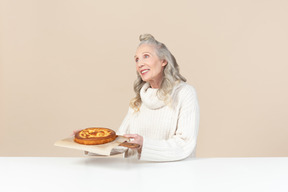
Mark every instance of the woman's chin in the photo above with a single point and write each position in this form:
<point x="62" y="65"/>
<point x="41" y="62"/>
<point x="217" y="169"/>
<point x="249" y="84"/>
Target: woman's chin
<point x="144" y="79"/>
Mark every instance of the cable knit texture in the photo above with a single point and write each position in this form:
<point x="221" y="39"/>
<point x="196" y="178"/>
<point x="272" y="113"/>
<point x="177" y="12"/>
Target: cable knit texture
<point x="169" y="131"/>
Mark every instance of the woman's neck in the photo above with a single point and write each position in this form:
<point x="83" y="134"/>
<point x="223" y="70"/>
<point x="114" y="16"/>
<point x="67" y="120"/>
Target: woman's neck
<point x="156" y="84"/>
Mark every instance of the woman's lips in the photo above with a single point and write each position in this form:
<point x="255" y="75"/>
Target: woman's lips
<point x="144" y="71"/>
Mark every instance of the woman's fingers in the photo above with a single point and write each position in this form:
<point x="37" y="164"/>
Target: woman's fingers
<point x="134" y="138"/>
<point x="75" y="131"/>
<point x="130" y="135"/>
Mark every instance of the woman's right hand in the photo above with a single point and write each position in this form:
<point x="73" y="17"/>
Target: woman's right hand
<point x="75" y="131"/>
<point x="135" y="138"/>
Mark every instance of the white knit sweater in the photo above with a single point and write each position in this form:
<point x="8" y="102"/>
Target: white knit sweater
<point x="169" y="132"/>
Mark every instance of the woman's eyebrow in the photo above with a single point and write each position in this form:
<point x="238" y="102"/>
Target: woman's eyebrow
<point x="141" y="53"/>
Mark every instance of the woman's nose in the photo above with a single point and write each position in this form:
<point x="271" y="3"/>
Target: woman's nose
<point x="140" y="64"/>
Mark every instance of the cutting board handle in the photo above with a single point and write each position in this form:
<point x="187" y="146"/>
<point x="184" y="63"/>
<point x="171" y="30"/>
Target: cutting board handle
<point x="130" y="145"/>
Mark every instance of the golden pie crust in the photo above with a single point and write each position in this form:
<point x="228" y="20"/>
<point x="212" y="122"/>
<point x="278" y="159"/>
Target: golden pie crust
<point x="95" y="136"/>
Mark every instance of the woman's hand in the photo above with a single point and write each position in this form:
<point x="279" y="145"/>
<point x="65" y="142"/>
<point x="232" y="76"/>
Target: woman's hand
<point x="135" y="138"/>
<point x="75" y="131"/>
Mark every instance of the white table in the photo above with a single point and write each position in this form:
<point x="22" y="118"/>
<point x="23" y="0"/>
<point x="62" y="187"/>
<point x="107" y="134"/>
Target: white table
<point x="114" y="174"/>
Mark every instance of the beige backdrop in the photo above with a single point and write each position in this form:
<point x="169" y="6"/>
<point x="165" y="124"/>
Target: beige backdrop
<point x="67" y="65"/>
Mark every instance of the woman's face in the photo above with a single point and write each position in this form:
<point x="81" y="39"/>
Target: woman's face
<point x="149" y="66"/>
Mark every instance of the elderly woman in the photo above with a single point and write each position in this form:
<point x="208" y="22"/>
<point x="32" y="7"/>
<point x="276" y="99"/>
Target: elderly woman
<point x="163" y="118"/>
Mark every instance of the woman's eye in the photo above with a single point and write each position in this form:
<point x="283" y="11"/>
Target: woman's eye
<point x="136" y="60"/>
<point x="146" y="56"/>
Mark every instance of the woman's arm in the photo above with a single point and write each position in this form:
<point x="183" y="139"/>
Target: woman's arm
<point x="124" y="127"/>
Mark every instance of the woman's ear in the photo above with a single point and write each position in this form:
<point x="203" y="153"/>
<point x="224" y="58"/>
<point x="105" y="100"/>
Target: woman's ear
<point x="164" y="62"/>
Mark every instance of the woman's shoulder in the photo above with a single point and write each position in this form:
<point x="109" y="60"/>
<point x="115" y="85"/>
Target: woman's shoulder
<point x="185" y="89"/>
<point x="184" y="94"/>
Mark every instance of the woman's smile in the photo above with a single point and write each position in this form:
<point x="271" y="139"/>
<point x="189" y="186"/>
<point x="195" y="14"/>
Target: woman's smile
<point x="144" y="71"/>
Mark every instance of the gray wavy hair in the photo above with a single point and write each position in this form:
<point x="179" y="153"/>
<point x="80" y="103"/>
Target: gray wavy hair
<point x="171" y="74"/>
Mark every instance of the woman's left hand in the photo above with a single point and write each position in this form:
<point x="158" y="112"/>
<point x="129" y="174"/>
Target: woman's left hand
<point x="135" y="138"/>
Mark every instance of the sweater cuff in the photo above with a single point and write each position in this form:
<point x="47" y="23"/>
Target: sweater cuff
<point x="148" y="152"/>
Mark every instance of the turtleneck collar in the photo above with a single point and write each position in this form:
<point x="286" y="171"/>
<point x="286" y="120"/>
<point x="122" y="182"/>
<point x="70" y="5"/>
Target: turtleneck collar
<point x="149" y="97"/>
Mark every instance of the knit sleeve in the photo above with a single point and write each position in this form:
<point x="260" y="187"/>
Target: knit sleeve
<point x="124" y="127"/>
<point x="183" y="142"/>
